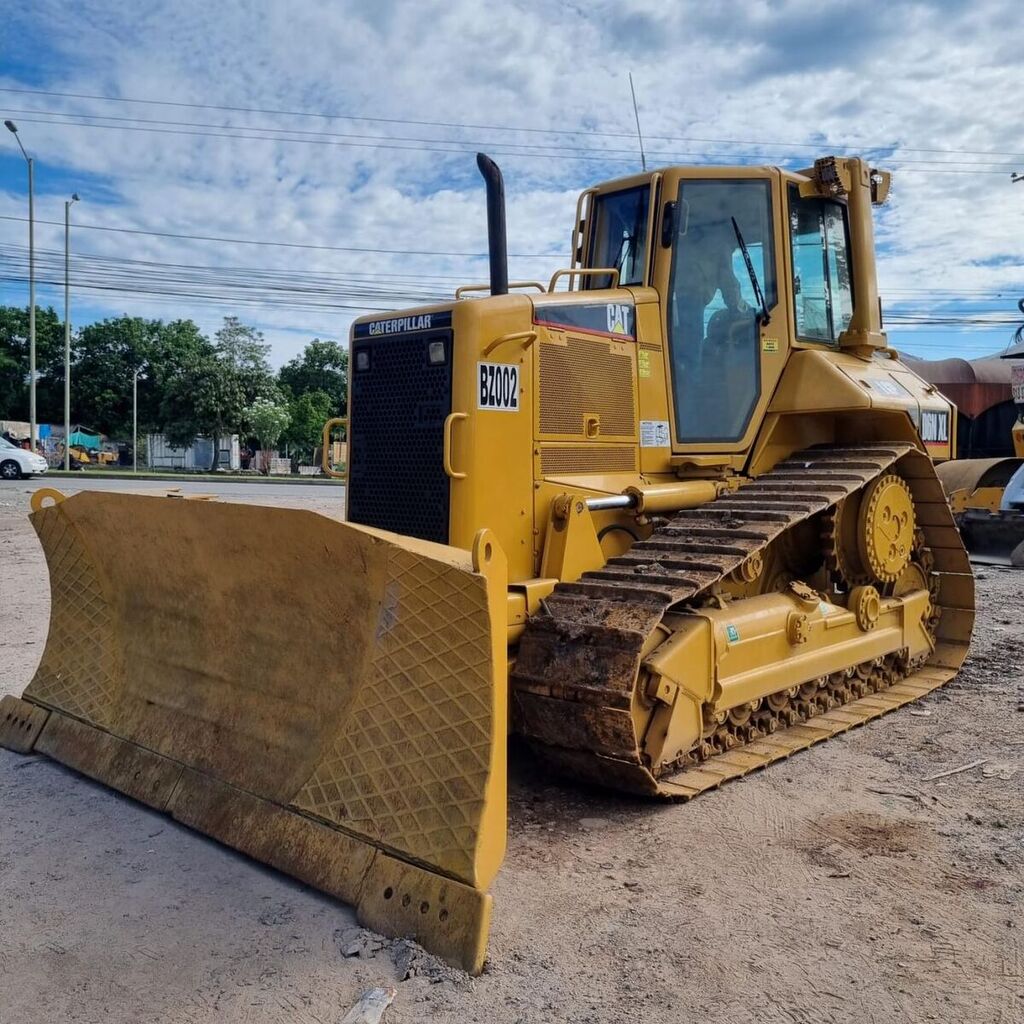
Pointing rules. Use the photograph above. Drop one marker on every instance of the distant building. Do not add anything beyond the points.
(197, 456)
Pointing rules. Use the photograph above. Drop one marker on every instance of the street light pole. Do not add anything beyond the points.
(67, 329)
(135, 421)
(33, 426)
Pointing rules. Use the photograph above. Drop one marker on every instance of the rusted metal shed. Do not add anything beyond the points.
(981, 391)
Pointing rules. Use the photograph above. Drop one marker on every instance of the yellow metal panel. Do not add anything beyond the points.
(372, 698)
(497, 489)
(762, 660)
(653, 378)
(571, 547)
(135, 771)
(415, 766)
(580, 376)
(20, 723)
(815, 381)
(753, 756)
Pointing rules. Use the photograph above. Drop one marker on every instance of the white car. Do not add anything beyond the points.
(18, 462)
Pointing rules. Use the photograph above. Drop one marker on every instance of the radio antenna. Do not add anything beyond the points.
(636, 114)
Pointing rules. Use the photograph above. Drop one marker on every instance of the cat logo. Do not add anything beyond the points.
(618, 318)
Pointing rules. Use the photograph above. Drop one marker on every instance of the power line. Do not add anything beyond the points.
(190, 283)
(933, 166)
(235, 298)
(228, 269)
(221, 295)
(287, 245)
(983, 306)
(824, 145)
(891, 296)
(304, 132)
(546, 150)
(283, 288)
(383, 143)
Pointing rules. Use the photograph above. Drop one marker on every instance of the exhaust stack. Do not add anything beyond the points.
(497, 244)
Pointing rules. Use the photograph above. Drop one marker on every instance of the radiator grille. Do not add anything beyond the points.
(590, 458)
(586, 376)
(396, 477)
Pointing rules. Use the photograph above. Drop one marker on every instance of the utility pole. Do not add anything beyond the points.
(33, 426)
(67, 329)
(135, 421)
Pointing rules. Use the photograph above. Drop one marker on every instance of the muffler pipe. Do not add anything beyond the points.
(497, 244)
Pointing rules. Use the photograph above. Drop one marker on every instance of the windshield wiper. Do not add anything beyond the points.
(625, 249)
(763, 317)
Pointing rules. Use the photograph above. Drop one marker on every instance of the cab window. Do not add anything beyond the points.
(713, 305)
(822, 288)
(618, 237)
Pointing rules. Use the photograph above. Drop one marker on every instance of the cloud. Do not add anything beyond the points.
(930, 87)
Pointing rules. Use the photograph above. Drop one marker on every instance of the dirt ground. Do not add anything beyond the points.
(841, 885)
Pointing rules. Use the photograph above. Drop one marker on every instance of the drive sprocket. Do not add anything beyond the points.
(885, 527)
(839, 543)
(869, 538)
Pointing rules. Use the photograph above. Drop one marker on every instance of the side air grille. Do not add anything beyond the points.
(399, 404)
(585, 376)
(562, 460)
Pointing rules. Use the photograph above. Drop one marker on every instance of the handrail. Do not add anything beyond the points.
(577, 232)
(526, 337)
(463, 288)
(585, 272)
(325, 461)
(652, 220)
(446, 451)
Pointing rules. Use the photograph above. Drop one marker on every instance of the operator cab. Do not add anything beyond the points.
(746, 261)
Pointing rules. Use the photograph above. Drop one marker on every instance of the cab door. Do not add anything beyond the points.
(718, 271)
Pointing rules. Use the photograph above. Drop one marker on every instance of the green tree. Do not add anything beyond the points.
(14, 364)
(178, 344)
(210, 393)
(203, 398)
(307, 414)
(106, 355)
(268, 419)
(242, 350)
(322, 366)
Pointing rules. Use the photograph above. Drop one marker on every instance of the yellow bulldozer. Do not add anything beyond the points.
(987, 494)
(671, 523)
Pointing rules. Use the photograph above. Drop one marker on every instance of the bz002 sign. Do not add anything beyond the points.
(498, 387)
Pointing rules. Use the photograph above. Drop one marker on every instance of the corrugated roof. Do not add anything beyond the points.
(972, 385)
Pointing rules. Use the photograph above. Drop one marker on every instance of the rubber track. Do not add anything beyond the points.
(580, 658)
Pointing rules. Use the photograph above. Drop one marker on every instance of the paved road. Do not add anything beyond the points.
(291, 494)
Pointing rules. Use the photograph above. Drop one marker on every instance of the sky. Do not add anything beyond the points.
(299, 164)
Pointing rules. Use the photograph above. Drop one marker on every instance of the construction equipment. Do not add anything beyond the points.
(987, 494)
(680, 518)
(86, 456)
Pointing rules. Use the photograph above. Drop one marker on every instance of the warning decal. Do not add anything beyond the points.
(654, 434)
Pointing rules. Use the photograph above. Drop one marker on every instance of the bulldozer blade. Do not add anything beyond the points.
(327, 698)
